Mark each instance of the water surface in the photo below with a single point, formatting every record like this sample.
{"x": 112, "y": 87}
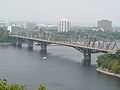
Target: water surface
{"x": 61, "y": 71}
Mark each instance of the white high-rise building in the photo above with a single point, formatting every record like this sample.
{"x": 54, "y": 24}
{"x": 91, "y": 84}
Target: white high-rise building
{"x": 64, "y": 25}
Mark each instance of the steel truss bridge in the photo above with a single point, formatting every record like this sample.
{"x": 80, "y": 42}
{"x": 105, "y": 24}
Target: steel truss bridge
{"x": 84, "y": 43}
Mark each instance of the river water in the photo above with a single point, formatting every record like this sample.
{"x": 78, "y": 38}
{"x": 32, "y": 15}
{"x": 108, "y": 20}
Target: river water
{"x": 62, "y": 70}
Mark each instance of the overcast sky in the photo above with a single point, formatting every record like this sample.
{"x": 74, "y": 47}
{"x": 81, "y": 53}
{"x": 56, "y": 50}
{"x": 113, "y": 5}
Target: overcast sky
{"x": 53, "y": 10}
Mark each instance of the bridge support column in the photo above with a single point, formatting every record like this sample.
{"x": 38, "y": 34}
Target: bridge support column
{"x": 30, "y": 45}
{"x": 43, "y": 47}
{"x": 86, "y": 58}
{"x": 19, "y": 42}
{"x": 14, "y": 41}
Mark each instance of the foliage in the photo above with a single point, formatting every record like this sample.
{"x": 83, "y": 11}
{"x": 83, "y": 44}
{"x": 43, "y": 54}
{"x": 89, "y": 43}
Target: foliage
{"x": 110, "y": 62}
{"x": 4, "y": 35}
{"x": 5, "y": 86}
{"x": 69, "y": 33}
{"x": 41, "y": 87}
{"x": 106, "y": 35}
{"x": 98, "y": 34}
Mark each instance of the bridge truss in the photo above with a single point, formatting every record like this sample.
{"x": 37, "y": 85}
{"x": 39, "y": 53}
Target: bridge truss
{"x": 83, "y": 40}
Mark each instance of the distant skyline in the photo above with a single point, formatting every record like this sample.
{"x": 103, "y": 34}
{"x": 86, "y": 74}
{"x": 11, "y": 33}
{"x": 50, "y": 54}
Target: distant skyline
{"x": 77, "y": 11}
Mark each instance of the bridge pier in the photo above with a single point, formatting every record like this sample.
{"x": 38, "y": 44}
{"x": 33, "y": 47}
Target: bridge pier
{"x": 43, "y": 47}
{"x": 19, "y": 42}
{"x": 14, "y": 41}
{"x": 30, "y": 44}
{"x": 86, "y": 60}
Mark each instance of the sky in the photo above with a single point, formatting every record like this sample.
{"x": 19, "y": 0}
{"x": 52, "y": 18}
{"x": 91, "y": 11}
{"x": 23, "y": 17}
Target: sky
{"x": 88, "y": 11}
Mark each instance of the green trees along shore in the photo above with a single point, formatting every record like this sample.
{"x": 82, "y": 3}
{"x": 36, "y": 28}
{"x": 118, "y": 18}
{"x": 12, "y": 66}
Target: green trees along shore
{"x": 4, "y": 35}
{"x": 4, "y": 85}
{"x": 110, "y": 62}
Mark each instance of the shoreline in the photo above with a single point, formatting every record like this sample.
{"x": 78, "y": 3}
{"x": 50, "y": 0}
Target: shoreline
{"x": 5, "y": 43}
{"x": 101, "y": 70}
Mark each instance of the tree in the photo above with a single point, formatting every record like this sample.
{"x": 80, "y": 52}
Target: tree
{"x": 117, "y": 54}
{"x": 110, "y": 62}
{"x": 4, "y": 35}
{"x": 4, "y": 85}
{"x": 41, "y": 87}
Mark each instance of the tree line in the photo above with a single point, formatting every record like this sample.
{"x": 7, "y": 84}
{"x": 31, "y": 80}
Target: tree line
{"x": 98, "y": 34}
{"x": 110, "y": 62}
{"x": 4, "y": 35}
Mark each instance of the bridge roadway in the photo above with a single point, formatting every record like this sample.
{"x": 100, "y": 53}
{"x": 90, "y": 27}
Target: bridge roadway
{"x": 95, "y": 46}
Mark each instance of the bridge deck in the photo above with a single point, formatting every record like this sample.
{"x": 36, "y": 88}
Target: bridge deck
{"x": 64, "y": 44}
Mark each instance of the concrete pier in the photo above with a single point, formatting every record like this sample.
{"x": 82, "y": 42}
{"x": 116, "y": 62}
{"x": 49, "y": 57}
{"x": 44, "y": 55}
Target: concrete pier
{"x": 14, "y": 41}
{"x": 19, "y": 42}
{"x": 30, "y": 44}
{"x": 86, "y": 60}
{"x": 43, "y": 47}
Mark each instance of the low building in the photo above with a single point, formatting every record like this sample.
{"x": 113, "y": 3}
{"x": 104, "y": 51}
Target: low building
{"x": 98, "y": 29}
{"x": 14, "y": 28}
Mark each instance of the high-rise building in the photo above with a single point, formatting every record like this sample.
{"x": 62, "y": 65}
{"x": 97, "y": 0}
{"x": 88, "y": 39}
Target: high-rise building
{"x": 64, "y": 25}
{"x": 29, "y": 25}
{"x": 105, "y": 25}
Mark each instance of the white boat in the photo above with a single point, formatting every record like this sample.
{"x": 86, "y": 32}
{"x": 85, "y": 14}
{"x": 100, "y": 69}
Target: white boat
{"x": 44, "y": 58}
{"x": 37, "y": 43}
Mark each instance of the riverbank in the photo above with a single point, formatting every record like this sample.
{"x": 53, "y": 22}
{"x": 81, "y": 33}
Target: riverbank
{"x": 5, "y": 43}
{"x": 105, "y": 71}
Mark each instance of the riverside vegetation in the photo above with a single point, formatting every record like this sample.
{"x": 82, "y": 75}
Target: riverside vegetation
{"x": 111, "y": 63}
{"x": 4, "y": 35}
{"x": 4, "y": 85}
{"x": 114, "y": 36}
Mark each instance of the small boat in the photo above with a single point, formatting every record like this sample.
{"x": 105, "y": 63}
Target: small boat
{"x": 37, "y": 44}
{"x": 44, "y": 58}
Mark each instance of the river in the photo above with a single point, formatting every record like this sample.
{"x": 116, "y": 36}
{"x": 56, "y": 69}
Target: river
{"x": 62, "y": 69}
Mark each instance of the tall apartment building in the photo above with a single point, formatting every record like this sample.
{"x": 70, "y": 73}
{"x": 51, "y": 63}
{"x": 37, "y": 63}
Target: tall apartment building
{"x": 64, "y": 25}
{"x": 29, "y": 26}
{"x": 105, "y": 25}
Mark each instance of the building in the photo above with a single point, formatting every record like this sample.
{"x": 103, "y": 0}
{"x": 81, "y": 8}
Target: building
{"x": 105, "y": 24}
{"x": 9, "y": 28}
{"x": 14, "y": 28}
{"x": 64, "y": 25}
{"x": 98, "y": 29}
{"x": 29, "y": 26}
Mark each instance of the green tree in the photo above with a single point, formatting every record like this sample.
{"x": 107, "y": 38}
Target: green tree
{"x": 41, "y": 87}
{"x": 4, "y": 35}
{"x": 110, "y": 62}
{"x": 117, "y": 55}
{"x": 4, "y": 85}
